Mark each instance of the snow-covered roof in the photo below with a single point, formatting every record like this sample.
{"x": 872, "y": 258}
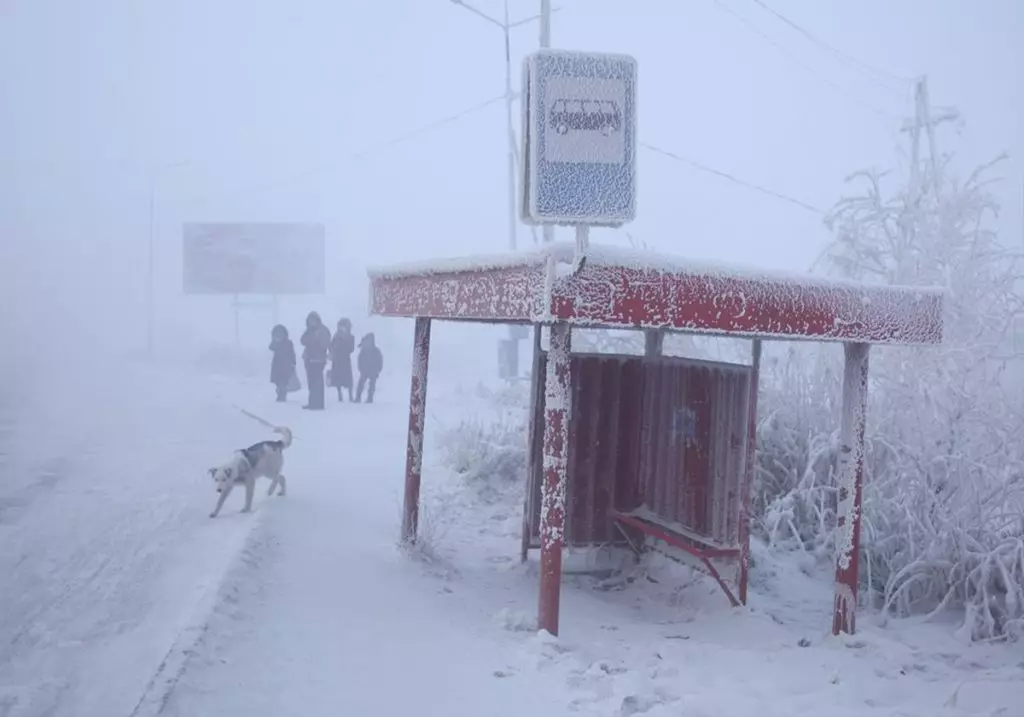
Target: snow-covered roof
{"x": 613, "y": 256}
{"x": 616, "y": 286}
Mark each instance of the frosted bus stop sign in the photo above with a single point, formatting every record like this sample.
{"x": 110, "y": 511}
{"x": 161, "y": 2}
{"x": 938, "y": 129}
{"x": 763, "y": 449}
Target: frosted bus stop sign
{"x": 579, "y": 123}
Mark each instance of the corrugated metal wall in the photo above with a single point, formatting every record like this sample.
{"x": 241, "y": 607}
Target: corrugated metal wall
{"x": 684, "y": 463}
{"x": 692, "y": 448}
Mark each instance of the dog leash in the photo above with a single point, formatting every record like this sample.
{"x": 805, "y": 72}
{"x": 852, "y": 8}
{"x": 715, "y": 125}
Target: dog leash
{"x": 256, "y": 418}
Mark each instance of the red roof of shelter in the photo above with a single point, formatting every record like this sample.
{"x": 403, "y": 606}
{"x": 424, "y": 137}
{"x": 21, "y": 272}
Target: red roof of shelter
{"x": 617, "y": 288}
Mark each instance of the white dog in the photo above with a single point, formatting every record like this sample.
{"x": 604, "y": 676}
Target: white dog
{"x": 263, "y": 459}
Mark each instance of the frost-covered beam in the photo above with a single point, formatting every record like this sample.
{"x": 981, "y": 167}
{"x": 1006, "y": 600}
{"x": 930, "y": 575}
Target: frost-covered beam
{"x": 557, "y": 405}
{"x": 616, "y": 287}
{"x": 851, "y": 478}
{"x": 762, "y": 306}
{"x": 511, "y": 293}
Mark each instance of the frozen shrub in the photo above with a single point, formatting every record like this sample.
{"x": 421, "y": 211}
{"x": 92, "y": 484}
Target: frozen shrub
{"x": 489, "y": 451}
{"x": 943, "y": 514}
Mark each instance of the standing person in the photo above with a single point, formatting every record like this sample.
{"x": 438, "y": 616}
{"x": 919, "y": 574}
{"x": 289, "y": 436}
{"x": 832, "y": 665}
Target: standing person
{"x": 342, "y": 346}
{"x": 316, "y": 342}
{"x": 282, "y": 366}
{"x": 371, "y": 361}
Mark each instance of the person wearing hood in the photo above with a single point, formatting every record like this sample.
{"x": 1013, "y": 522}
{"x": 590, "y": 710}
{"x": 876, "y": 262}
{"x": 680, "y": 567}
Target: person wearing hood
{"x": 282, "y": 366}
{"x": 370, "y": 363}
{"x": 342, "y": 346}
{"x": 316, "y": 342}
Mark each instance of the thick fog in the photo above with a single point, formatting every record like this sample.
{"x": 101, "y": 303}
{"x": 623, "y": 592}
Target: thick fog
{"x": 311, "y": 111}
{"x": 384, "y": 122}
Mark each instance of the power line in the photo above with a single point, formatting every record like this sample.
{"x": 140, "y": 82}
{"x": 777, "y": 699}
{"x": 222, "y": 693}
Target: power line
{"x": 326, "y": 167}
{"x": 736, "y": 180}
{"x": 433, "y": 125}
{"x": 821, "y": 78}
{"x": 881, "y": 76}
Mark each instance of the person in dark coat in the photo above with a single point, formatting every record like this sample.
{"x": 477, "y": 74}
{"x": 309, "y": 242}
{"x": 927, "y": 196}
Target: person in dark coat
{"x": 342, "y": 346}
{"x": 282, "y": 366}
{"x": 370, "y": 361}
{"x": 316, "y": 341}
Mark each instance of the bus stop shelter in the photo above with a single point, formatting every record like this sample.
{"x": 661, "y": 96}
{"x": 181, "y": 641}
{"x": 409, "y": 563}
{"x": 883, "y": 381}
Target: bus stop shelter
{"x": 641, "y": 449}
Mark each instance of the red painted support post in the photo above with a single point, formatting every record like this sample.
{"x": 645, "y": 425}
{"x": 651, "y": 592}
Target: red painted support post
{"x": 557, "y": 403}
{"x": 851, "y": 477}
{"x": 536, "y": 395}
{"x": 654, "y": 342}
{"x": 417, "y": 416}
{"x": 751, "y": 470}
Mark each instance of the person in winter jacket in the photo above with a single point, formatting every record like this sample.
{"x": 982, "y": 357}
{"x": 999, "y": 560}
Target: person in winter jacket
{"x": 316, "y": 342}
{"x": 342, "y": 346}
{"x": 282, "y": 366}
{"x": 370, "y": 361}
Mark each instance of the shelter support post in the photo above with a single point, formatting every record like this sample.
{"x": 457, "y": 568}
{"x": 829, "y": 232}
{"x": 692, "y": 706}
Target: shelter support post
{"x": 750, "y": 470}
{"x": 557, "y": 403}
{"x": 654, "y": 342}
{"x": 417, "y": 417}
{"x": 536, "y": 394}
{"x": 851, "y": 477}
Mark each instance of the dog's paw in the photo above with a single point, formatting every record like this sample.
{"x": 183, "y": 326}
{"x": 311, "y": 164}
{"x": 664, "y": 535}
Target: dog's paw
{"x": 246, "y": 510}
{"x": 213, "y": 515}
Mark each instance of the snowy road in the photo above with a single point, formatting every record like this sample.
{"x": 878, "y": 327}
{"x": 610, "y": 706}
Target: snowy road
{"x": 105, "y": 545}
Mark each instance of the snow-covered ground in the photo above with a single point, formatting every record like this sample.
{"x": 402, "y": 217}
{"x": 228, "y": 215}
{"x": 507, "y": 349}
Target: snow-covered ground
{"x": 322, "y": 615}
{"x": 121, "y": 597}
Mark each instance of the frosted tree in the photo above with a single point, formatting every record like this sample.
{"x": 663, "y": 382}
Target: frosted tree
{"x": 944, "y": 502}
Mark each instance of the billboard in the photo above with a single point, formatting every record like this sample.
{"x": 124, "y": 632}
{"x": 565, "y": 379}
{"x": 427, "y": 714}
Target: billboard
{"x": 252, "y": 258}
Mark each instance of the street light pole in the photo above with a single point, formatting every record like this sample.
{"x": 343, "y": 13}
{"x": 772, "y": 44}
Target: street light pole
{"x": 512, "y": 147}
{"x": 545, "y": 23}
{"x": 151, "y": 252}
{"x": 150, "y": 265}
{"x": 545, "y": 42}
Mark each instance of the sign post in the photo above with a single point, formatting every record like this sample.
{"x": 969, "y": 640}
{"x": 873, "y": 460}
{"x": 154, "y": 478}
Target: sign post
{"x": 579, "y": 137}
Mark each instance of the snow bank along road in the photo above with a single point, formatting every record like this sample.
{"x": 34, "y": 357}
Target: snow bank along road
{"x": 106, "y": 549}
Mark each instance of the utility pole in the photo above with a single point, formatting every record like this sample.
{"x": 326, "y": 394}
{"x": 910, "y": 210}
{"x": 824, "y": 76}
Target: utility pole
{"x": 545, "y": 42}
{"x": 924, "y": 119}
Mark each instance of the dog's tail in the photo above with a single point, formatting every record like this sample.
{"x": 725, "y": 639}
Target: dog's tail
{"x": 286, "y": 435}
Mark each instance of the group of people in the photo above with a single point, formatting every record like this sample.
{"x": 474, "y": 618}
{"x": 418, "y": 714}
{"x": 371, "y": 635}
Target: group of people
{"x": 319, "y": 347}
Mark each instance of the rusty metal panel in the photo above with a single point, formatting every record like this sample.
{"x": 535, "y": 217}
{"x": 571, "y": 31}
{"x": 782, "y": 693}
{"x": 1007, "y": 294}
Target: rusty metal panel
{"x": 603, "y": 448}
{"x": 693, "y": 441}
{"x": 665, "y": 434}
